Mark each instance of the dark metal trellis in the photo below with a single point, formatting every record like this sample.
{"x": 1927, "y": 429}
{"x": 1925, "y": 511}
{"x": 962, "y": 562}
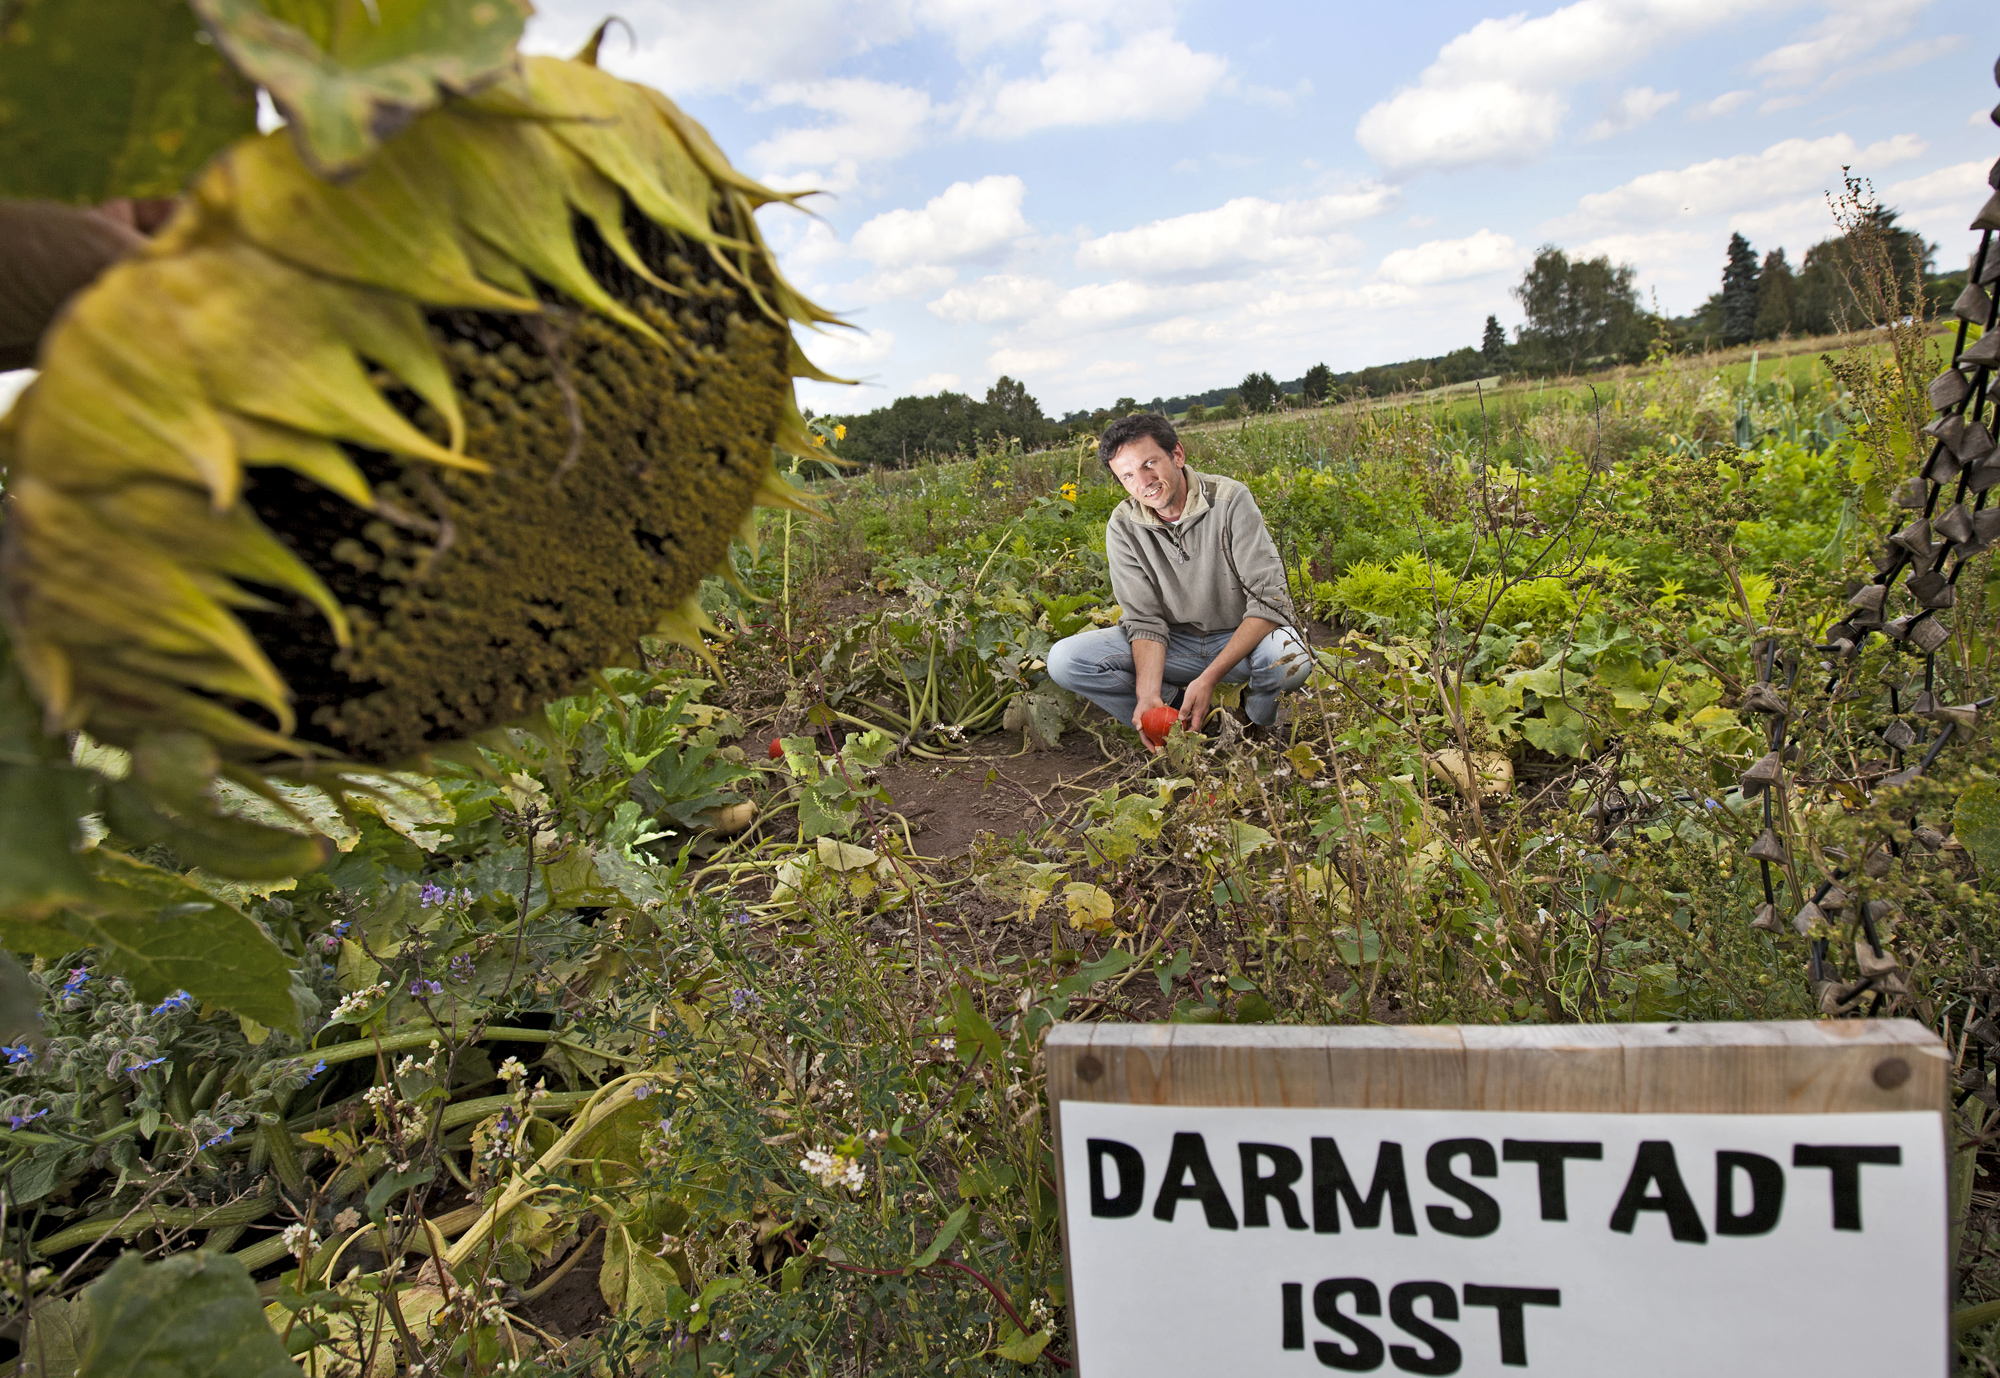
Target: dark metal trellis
{"x": 1933, "y": 550}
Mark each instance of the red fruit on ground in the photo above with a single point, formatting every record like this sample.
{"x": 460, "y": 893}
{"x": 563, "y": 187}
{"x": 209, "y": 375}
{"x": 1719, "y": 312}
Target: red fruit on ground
{"x": 1156, "y": 723}
{"x": 777, "y": 748}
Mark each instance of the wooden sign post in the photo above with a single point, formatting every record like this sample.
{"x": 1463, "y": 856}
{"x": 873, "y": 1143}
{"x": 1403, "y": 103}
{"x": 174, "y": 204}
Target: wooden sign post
{"x": 1644, "y": 1199}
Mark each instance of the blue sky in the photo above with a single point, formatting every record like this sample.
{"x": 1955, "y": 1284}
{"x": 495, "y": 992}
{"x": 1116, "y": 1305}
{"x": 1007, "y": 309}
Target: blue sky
{"x": 1110, "y": 197}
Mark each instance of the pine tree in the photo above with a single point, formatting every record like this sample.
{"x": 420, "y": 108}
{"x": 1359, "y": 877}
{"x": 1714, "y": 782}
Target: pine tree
{"x": 1494, "y": 345}
{"x": 1259, "y": 391}
{"x": 1777, "y": 293}
{"x": 1317, "y": 385}
{"x": 1739, "y": 292}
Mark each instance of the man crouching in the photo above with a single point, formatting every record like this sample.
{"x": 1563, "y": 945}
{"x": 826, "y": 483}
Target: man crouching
{"x": 1201, "y": 585}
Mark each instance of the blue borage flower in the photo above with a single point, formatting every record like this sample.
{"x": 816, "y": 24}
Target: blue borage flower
{"x": 179, "y": 1000}
{"x": 142, "y": 1066}
{"x": 75, "y": 983}
{"x": 17, "y": 1053}
{"x": 16, "y": 1121}
{"x": 224, "y": 1137}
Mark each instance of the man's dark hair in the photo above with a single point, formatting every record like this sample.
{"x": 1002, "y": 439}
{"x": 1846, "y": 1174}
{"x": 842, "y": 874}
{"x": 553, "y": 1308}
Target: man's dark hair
{"x": 1144, "y": 425}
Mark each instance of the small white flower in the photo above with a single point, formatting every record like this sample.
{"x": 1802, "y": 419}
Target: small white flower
{"x": 511, "y": 1070}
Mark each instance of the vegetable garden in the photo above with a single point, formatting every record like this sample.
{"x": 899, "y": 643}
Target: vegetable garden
{"x": 440, "y": 955}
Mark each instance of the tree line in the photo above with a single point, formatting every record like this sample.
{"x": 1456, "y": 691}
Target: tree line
{"x": 1578, "y": 313}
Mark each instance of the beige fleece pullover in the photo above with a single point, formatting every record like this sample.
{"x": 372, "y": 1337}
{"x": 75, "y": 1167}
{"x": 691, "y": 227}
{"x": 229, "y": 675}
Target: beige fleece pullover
{"x": 1204, "y": 573}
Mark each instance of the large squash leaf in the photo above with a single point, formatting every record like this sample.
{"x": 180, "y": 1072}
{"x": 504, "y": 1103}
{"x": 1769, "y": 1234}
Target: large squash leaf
{"x": 193, "y": 1315}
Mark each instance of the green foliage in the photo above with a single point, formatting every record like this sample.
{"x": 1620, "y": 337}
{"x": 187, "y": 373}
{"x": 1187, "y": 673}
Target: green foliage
{"x": 194, "y": 1315}
{"x": 347, "y": 74}
{"x": 101, "y": 99}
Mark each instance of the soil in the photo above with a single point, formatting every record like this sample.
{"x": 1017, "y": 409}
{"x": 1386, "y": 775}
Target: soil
{"x": 993, "y": 789}
{"x": 573, "y": 1307}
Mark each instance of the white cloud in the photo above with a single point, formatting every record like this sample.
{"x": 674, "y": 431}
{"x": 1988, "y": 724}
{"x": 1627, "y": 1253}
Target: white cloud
{"x": 1150, "y": 76}
{"x": 933, "y": 383}
{"x": 869, "y": 122}
{"x": 1450, "y": 260}
{"x": 975, "y": 25}
{"x": 1852, "y": 26}
{"x": 1016, "y": 362}
{"x": 849, "y": 353}
{"x": 892, "y": 283}
{"x": 1098, "y": 304}
{"x": 691, "y": 46}
{"x": 967, "y": 221}
{"x": 1495, "y": 92}
{"x": 1723, "y": 185}
{"x": 1961, "y": 184}
{"x": 1237, "y": 234}
{"x": 999, "y": 297}
{"x": 1632, "y": 109}
{"x": 1728, "y": 103}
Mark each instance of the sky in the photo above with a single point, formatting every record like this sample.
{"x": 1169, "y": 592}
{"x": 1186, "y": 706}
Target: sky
{"x": 1109, "y": 198}
{"x": 1145, "y": 198}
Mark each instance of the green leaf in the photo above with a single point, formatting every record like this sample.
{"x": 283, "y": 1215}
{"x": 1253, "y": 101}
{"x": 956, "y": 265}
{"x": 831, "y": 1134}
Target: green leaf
{"x": 946, "y": 1233}
{"x": 973, "y": 1032}
{"x": 105, "y": 98}
{"x": 39, "y": 809}
{"x": 348, "y": 74}
{"x": 193, "y": 1315}
{"x": 635, "y": 1283}
{"x": 1023, "y": 1349}
{"x": 1560, "y": 731}
{"x": 164, "y": 934}
{"x": 1976, "y": 824}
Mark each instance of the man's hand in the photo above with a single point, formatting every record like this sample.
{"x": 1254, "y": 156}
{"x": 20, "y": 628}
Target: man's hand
{"x": 1196, "y": 700}
{"x": 1146, "y": 704}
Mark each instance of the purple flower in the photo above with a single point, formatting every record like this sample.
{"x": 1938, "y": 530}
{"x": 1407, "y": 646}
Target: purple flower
{"x": 462, "y": 967}
{"x": 18, "y": 1052}
{"x": 16, "y": 1121}
{"x": 224, "y": 1137}
{"x": 741, "y": 918}
{"x": 179, "y": 1000}
{"x": 421, "y": 988}
{"x": 318, "y": 1067}
{"x": 142, "y": 1066}
{"x": 76, "y": 980}
{"x": 743, "y": 997}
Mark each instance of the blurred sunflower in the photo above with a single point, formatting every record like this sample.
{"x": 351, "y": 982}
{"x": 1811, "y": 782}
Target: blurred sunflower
{"x": 352, "y": 469}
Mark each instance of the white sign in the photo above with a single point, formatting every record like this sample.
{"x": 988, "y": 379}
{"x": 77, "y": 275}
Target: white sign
{"x": 1251, "y": 1242}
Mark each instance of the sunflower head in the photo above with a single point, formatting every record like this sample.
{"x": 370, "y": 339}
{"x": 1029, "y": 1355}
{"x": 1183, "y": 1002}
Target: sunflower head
{"x": 350, "y": 470}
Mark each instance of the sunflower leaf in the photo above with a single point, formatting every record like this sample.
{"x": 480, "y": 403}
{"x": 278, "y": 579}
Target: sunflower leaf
{"x": 348, "y": 75}
{"x": 108, "y": 98}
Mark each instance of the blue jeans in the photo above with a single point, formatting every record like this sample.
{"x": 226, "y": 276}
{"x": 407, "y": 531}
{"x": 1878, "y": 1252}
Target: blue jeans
{"x": 1098, "y": 665}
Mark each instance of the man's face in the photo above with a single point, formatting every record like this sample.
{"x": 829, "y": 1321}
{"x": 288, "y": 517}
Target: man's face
{"x": 1156, "y": 478}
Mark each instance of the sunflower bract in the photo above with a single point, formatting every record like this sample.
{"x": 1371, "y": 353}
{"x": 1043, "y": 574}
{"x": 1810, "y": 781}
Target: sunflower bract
{"x": 353, "y": 469}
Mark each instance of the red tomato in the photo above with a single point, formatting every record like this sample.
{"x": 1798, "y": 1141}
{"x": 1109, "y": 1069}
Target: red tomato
{"x": 777, "y": 748}
{"x": 1156, "y": 723}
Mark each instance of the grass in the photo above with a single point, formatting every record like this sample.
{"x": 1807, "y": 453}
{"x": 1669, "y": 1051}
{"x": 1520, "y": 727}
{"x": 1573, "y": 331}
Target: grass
{"x": 791, "y": 1116}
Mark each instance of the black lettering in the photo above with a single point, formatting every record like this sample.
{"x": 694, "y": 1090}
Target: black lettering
{"x": 1513, "y": 1325}
{"x": 1259, "y": 1191}
{"x": 1294, "y": 1324}
{"x": 1131, "y": 1179}
{"x": 1548, "y": 1156}
{"x": 1655, "y": 1166}
{"x": 1845, "y": 1160}
{"x": 1332, "y": 1184}
{"x": 1189, "y": 1161}
{"x": 1444, "y": 1356}
{"x": 1483, "y": 1212}
{"x": 1367, "y": 1351}
{"x": 1767, "y": 1193}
